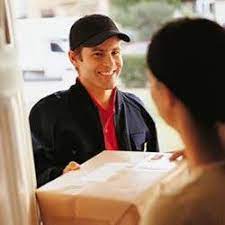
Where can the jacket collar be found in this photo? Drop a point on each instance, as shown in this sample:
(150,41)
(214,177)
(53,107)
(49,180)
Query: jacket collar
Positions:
(79,90)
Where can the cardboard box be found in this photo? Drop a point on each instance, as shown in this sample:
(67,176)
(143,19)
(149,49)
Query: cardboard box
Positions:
(109,189)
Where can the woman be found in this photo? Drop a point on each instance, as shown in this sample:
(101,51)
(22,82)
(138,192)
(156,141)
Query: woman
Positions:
(186,62)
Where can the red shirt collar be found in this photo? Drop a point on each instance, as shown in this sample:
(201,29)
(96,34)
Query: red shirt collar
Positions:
(107,121)
(112,102)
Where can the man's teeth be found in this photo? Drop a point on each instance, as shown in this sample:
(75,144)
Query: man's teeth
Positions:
(106,74)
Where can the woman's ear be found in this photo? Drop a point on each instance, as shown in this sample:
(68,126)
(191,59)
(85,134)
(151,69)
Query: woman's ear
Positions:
(161,93)
(164,98)
(169,97)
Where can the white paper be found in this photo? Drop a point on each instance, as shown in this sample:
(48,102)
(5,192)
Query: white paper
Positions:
(106,171)
(158,161)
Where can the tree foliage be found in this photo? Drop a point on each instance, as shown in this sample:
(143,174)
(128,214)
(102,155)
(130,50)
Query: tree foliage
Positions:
(143,17)
(133,73)
(126,3)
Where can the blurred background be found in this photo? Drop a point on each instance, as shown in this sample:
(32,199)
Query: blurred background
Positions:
(42,28)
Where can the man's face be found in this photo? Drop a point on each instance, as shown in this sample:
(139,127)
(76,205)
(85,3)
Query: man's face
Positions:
(100,66)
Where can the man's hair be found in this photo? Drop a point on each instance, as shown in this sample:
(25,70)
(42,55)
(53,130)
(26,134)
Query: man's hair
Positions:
(188,56)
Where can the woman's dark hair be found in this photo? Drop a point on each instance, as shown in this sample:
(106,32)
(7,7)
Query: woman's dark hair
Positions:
(188,56)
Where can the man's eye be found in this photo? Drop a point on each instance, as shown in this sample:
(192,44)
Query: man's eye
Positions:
(98,54)
(116,53)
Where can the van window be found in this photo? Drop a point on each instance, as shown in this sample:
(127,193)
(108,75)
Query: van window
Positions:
(55,47)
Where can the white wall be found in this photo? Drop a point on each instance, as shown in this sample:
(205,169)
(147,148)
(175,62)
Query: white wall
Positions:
(220,12)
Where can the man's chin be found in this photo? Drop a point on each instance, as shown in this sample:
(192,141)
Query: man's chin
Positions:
(110,87)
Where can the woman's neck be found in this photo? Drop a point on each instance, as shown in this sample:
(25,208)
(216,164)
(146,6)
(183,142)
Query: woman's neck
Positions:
(221,133)
(203,145)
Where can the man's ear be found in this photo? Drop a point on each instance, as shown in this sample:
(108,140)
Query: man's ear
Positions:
(74,58)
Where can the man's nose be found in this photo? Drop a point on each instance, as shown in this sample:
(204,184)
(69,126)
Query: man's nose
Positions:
(108,61)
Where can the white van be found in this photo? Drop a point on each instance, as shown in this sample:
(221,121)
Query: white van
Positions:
(42,45)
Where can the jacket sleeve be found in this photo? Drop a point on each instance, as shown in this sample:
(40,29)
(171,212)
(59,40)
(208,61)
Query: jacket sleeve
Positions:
(41,133)
(152,144)
(152,140)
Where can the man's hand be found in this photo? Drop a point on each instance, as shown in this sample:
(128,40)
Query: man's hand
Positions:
(71,167)
(177,155)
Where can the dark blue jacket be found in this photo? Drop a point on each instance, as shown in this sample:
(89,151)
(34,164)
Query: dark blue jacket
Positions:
(65,126)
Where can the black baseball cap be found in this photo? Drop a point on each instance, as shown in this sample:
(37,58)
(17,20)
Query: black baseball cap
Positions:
(92,30)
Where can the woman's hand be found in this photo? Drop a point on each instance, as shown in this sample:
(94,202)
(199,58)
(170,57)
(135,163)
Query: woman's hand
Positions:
(177,155)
